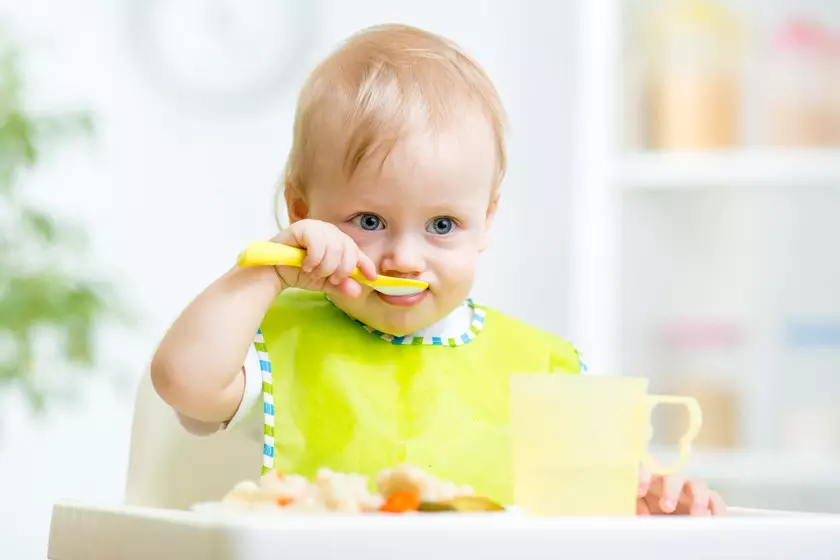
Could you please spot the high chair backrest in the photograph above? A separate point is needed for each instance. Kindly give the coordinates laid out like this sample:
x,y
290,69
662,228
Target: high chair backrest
x,y
169,468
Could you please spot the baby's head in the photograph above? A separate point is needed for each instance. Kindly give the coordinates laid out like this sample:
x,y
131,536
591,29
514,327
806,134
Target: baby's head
x,y
399,141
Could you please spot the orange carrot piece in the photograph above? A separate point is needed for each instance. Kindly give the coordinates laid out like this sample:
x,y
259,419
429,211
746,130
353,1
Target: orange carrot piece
x,y
401,501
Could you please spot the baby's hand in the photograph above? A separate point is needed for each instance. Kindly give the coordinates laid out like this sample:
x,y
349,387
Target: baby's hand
x,y
676,494
331,257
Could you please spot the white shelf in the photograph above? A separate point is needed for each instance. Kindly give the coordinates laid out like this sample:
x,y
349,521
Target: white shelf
x,y
748,167
763,468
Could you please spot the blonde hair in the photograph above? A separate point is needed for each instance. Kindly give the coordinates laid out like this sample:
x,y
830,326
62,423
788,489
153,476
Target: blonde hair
x,y
366,93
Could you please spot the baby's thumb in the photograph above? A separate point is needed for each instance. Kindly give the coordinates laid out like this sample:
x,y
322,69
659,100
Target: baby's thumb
x,y
347,287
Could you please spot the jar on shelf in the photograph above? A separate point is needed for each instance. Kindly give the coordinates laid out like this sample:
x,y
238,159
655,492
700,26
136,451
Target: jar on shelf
x,y
811,367
803,89
702,360
692,93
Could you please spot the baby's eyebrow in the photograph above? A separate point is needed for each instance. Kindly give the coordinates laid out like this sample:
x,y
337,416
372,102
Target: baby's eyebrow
x,y
462,206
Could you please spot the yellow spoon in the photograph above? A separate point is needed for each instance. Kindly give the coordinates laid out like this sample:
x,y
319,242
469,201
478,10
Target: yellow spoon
x,y
262,253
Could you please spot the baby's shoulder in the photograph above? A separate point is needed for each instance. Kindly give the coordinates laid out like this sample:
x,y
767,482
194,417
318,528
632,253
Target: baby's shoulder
x,y
515,326
523,335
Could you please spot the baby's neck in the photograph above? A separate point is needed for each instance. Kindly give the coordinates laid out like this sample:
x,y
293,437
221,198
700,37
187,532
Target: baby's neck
x,y
453,325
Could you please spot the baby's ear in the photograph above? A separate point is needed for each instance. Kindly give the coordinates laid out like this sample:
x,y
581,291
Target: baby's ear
x,y
296,205
491,214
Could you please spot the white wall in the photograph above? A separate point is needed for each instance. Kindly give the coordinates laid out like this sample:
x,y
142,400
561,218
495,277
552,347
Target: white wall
x,y
169,195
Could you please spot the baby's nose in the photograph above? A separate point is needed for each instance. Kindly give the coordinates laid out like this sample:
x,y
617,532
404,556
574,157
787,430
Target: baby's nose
x,y
403,259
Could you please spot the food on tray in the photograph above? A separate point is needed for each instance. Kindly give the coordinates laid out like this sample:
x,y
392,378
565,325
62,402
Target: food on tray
x,y
462,504
404,489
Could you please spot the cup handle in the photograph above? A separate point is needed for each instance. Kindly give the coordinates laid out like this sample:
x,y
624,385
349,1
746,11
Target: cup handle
x,y
695,420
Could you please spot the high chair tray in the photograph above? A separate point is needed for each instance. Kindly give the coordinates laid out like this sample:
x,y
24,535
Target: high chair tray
x,y
88,532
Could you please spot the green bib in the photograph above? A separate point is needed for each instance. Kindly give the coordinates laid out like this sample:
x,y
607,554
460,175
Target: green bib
x,y
340,395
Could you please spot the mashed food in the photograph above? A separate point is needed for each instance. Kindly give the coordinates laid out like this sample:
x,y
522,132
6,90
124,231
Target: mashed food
x,y
399,490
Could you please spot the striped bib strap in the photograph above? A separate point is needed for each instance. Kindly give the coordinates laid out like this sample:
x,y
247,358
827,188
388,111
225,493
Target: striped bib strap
x,y
268,403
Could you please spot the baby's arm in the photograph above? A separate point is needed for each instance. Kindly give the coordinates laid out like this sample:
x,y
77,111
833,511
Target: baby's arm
x,y
197,368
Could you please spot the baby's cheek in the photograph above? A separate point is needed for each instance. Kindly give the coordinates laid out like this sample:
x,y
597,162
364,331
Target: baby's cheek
x,y
458,275
370,245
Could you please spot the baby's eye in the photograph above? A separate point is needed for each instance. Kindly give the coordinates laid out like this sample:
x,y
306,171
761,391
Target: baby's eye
x,y
441,226
368,222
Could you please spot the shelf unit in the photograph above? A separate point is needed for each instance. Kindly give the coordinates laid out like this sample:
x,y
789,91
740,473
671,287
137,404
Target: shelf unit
x,y
766,469
746,167
774,188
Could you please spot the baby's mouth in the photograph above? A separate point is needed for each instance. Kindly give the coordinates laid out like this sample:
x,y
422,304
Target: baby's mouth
x,y
399,290
406,300
392,286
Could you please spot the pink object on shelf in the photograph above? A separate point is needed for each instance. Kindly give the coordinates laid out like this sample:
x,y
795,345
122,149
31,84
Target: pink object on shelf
x,y
803,34
802,87
703,335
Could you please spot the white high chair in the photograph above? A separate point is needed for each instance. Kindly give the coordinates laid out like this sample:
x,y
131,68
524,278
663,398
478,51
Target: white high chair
x,y
170,468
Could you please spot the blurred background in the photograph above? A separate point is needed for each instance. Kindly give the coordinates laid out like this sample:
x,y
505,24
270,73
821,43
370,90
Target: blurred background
x,y
677,163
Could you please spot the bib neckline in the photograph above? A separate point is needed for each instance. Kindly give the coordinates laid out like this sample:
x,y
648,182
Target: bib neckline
x,y
479,316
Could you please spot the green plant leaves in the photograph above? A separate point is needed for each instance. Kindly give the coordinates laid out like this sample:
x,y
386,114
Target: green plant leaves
x,y
40,302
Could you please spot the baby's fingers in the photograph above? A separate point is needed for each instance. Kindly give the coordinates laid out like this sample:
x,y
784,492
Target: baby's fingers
x,y
672,488
316,248
349,288
697,497
645,478
366,265
347,264
330,261
716,504
341,277
642,507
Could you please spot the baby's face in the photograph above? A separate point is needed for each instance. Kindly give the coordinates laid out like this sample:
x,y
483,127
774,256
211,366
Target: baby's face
x,y
423,213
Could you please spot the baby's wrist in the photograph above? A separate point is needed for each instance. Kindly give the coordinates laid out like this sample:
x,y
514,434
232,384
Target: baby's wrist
x,y
263,275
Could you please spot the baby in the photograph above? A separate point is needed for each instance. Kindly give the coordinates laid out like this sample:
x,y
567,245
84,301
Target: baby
x,y
395,168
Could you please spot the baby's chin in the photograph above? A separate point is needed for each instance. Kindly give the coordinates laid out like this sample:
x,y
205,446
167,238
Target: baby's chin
x,y
401,322
396,321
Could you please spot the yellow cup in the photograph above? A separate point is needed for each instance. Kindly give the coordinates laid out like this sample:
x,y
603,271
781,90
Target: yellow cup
x,y
578,442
